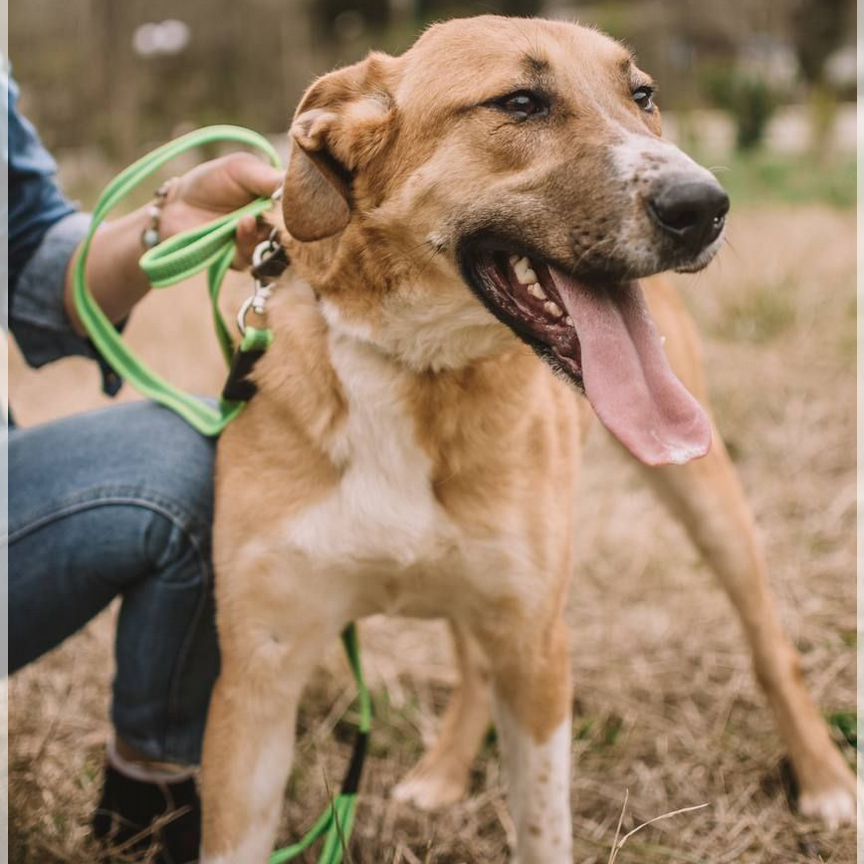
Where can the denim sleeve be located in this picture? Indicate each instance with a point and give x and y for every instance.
(35, 200)
(44, 230)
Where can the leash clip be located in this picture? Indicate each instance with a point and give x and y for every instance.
(257, 303)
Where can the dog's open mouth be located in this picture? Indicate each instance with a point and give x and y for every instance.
(603, 339)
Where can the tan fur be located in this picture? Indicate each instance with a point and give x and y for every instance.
(406, 453)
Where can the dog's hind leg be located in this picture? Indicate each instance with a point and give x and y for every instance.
(706, 495)
(442, 776)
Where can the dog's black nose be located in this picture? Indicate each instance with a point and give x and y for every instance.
(693, 211)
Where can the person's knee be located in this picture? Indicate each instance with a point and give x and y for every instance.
(140, 450)
(176, 459)
(173, 472)
(173, 461)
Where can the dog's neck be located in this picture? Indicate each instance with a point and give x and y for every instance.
(324, 365)
(424, 318)
(448, 334)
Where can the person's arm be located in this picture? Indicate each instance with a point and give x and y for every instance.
(45, 230)
(201, 195)
(36, 203)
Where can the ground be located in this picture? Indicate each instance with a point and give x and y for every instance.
(665, 707)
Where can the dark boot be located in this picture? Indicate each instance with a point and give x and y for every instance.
(124, 820)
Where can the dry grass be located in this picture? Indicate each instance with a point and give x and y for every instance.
(665, 705)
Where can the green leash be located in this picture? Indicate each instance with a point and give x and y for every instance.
(209, 247)
(212, 247)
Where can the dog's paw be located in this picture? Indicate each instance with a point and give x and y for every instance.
(835, 807)
(833, 798)
(432, 784)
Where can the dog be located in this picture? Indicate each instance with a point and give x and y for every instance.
(468, 224)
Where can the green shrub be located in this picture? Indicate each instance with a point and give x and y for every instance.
(748, 98)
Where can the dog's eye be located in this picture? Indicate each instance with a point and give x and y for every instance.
(523, 104)
(644, 97)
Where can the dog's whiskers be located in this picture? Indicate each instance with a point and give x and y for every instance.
(593, 248)
(429, 257)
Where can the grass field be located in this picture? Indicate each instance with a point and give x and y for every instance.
(764, 176)
(665, 707)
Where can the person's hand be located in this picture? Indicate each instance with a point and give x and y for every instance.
(216, 188)
(199, 196)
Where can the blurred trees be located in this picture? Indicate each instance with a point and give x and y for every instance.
(748, 99)
(82, 82)
(437, 9)
(115, 74)
(248, 62)
(818, 29)
(743, 56)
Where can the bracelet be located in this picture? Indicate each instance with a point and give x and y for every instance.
(151, 235)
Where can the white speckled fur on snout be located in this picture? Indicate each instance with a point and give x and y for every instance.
(640, 161)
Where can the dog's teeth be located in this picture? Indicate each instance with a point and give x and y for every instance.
(569, 321)
(513, 259)
(523, 271)
(535, 290)
(662, 340)
(553, 309)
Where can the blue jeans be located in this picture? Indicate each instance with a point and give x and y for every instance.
(120, 501)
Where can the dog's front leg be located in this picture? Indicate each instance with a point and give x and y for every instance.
(248, 751)
(532, 706)
(249, 743)
(247, 757)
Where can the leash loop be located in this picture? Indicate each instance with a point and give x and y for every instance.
(209, 247)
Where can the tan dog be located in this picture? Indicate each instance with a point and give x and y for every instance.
(458, 215)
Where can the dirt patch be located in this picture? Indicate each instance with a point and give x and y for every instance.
(665, 705)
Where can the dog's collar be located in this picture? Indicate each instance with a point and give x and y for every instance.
(272, 266)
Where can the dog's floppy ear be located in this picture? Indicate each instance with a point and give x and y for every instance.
(342, 122)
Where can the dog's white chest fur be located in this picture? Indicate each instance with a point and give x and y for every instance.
(383, 511)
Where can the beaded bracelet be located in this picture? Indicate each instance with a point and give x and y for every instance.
(151, 235)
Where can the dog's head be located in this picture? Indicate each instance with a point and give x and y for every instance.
(517, 163)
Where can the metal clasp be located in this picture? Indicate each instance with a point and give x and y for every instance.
(262, 290)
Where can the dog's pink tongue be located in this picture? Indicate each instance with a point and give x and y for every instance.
(627, 378)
